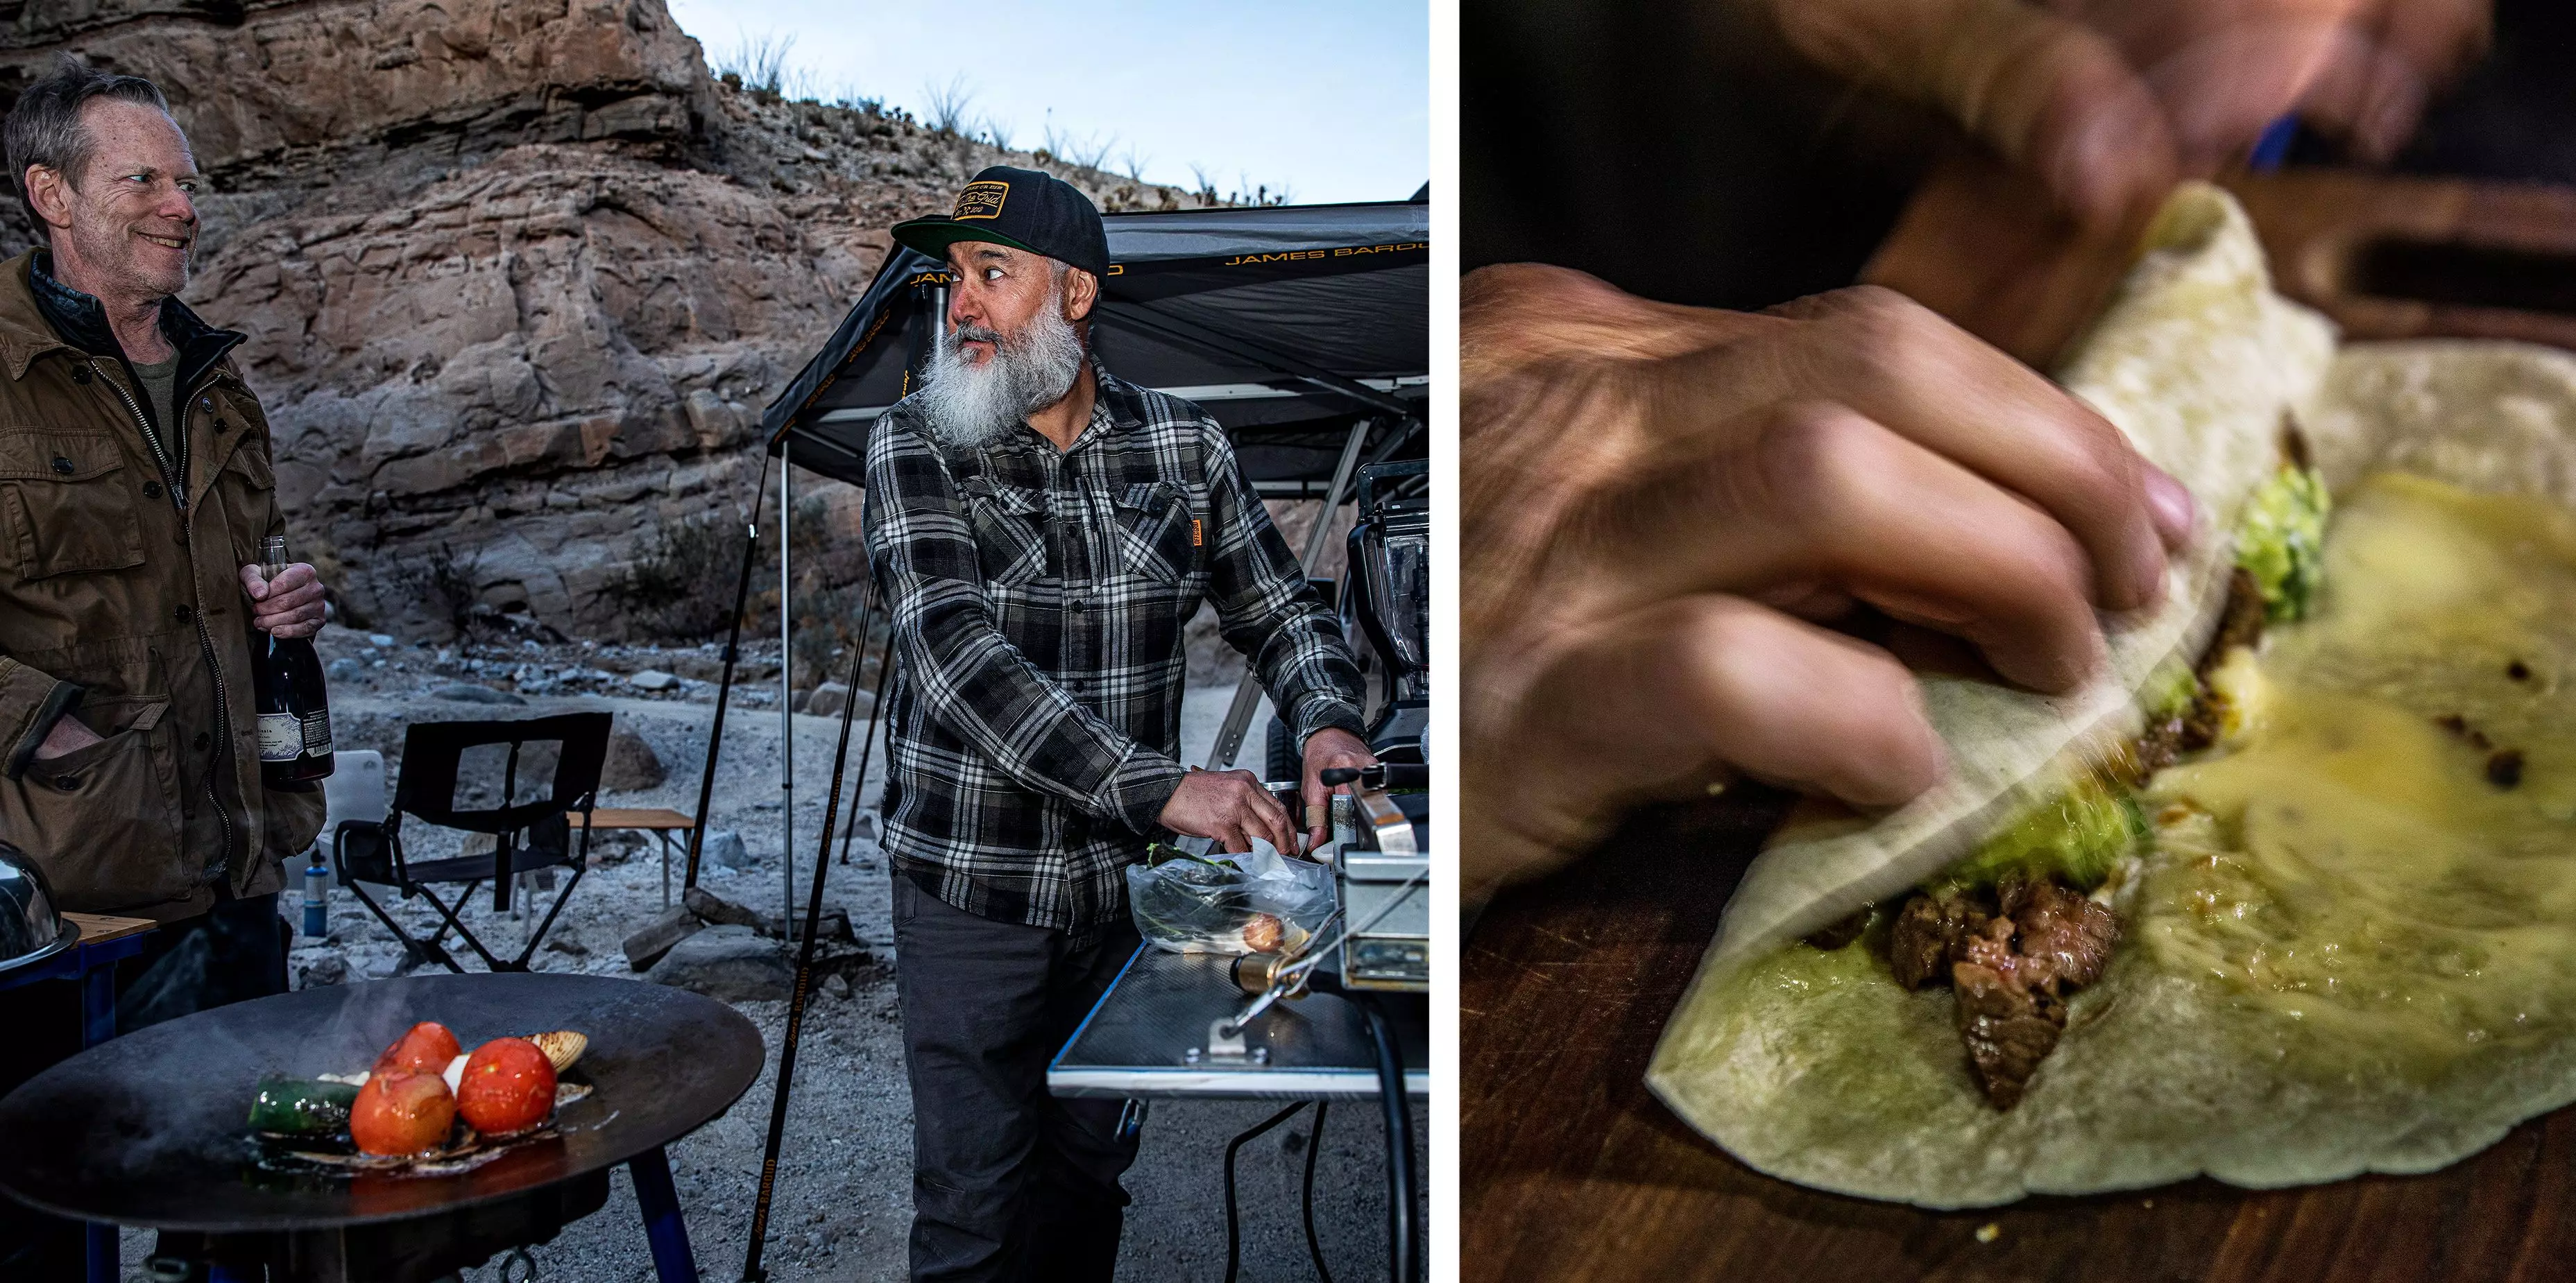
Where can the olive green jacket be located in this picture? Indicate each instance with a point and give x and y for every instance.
(121, 548)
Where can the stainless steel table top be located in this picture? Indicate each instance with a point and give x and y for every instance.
(1139, 1039)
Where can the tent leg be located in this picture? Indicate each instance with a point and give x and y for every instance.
(1247, 696)
(786, 701)
(803, 989)
(724, 684)
(876, 709)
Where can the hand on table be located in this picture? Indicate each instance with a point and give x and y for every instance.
(1231, 807)
(291, 606)
(1325, 750)
(2109, 101)
(1661, 505)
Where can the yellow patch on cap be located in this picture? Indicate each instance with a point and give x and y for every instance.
(981, 200)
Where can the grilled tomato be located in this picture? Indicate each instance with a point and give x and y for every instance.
(426, 1049)
(509, 1086)
(399, 1112)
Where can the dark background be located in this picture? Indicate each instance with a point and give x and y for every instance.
(1681, 152)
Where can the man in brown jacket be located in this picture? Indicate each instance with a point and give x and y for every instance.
(135, 489)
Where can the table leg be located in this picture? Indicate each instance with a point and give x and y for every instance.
(98, 1024)
(105, 1264)
(665, 835)
(98, 1006)
(663, 1229)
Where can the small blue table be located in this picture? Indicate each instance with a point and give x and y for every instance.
(91, 962)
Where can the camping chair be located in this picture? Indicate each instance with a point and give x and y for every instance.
(526, 835)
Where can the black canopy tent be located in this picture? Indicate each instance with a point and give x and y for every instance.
(1287, 322)
(1304, 329)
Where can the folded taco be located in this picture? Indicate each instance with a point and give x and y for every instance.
(2286, 895)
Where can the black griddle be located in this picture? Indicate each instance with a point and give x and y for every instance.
(148, 1129)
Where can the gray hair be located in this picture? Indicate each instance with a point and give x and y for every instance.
(44, 128)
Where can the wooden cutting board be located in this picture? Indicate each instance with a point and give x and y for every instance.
(1570, 1169)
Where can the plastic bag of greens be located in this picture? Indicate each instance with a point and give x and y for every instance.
(1218, 903)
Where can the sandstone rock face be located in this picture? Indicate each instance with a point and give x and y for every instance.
(518, 275)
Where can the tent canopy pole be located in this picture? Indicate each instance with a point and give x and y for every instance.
(724, 684)
(786, 697)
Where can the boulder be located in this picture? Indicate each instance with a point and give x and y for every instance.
(631, 763)
(836, 925)
(715, 910)
(655, 938)
(652, 679)
(344, 668)
(831, 697)
(735, 964)
(723, 849)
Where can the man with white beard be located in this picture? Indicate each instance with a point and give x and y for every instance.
(1044, 530)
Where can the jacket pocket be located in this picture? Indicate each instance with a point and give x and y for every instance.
(67, 505)
(246, 489)
(1158, 536)
(1010, 531)
(103, 821)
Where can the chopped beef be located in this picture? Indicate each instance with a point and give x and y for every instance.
(2157, 748)
(2294, 443)
(2504, 768)
(2012, 961)
(1841, 932)
(1928, 935)
(2240, 622)
(2009, 1029)
(2062, 928)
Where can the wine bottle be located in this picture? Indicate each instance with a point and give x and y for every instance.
(294, 710)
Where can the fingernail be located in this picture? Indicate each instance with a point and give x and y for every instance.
(2170, 504)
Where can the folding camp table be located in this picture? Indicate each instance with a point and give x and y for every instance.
(1149, 1038)
(661, 821)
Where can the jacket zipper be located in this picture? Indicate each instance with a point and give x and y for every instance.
(178, 488)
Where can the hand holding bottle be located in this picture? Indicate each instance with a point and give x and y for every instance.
(288, 604)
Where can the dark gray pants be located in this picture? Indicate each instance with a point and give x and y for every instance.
(1008, 1182)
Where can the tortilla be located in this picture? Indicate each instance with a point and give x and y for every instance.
(2224, 1045)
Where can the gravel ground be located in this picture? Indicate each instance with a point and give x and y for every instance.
(843, 1203)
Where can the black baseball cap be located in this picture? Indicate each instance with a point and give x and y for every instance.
(1022, 208)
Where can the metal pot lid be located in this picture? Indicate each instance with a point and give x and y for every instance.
(30, 929)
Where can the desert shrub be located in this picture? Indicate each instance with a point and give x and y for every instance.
(440, 582)
(680, 587)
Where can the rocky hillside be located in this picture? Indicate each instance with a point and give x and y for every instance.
(519, 275)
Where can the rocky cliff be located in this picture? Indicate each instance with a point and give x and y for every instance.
(519, 275)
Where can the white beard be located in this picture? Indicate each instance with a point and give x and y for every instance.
(974, 404)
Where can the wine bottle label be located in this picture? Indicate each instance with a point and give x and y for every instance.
(281, 737)
(317, 733)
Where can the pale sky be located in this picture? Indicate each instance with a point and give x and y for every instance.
(1329, 97)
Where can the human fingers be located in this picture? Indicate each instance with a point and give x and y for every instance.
(278, 610)
(2052, 95)
(253, 582)
(2374, 86)
(1260, 814)
(1647, 705)
(1913, 371)
(1825, 494)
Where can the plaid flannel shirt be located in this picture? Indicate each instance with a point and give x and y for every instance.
(1039, 599)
